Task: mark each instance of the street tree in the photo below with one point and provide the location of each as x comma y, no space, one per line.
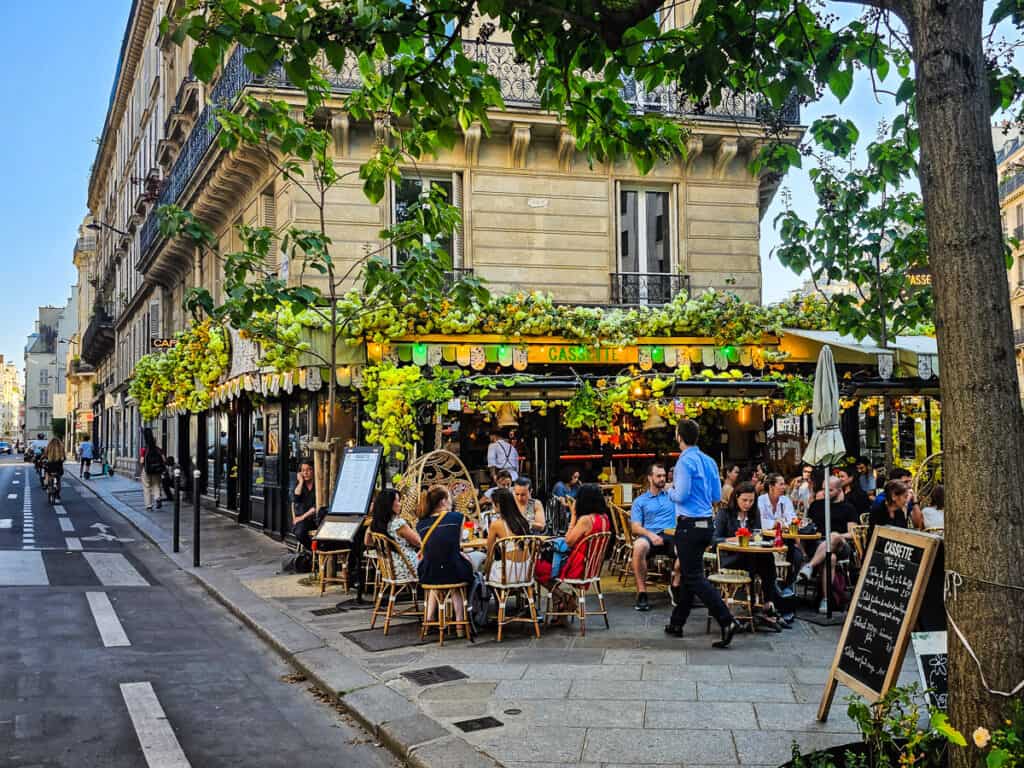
417,76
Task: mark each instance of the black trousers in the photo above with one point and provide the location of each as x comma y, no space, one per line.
693,535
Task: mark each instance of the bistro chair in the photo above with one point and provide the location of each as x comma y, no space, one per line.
444,594
622,553
388,581
328,567
860,540
518,558
596,544
731,582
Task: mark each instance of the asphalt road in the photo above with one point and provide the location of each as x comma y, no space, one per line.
111,656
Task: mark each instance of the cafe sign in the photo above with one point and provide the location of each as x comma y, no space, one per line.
582,354
164,343
919,278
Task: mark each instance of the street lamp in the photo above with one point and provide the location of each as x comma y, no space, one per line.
99,226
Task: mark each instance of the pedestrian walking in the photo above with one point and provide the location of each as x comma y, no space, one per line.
85,453
695,491
152,469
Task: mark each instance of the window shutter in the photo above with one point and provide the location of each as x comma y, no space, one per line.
154,319
457,242
269,212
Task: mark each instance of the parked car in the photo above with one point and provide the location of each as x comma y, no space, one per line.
5,447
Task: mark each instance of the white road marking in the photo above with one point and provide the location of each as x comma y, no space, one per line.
111,631
66,525
72,543
156,737
6,523
22,569
114,570
12,495
60,510
15,482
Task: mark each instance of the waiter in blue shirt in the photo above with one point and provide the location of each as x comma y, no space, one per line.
696,489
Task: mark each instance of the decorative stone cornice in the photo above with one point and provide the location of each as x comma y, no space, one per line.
727,149
473,134
566,149
694,149
519,145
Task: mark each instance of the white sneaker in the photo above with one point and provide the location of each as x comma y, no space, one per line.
823,608
805,573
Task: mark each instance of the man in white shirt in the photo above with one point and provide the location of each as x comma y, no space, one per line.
775,504
501,454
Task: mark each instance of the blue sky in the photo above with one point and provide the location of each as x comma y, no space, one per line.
61,56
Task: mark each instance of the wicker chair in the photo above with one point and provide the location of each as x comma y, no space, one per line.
860,540
595,546
731,582
388,553
515,577
444,594
622,553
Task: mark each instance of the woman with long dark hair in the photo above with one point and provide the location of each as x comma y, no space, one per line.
387,521
589,515
509,522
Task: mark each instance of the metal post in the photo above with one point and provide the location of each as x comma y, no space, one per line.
195,517
177,508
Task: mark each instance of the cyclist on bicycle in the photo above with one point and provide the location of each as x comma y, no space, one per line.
53,458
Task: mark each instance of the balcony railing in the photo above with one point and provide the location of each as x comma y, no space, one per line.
518,89
1011,184
98,339
648,288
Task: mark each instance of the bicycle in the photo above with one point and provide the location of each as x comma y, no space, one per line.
52,488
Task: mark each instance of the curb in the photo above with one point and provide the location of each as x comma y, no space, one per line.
386,714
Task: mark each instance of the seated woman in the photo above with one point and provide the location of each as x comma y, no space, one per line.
589,515
568,485
890,508
529,507
440,531
509,522
388,522
742,513
934,514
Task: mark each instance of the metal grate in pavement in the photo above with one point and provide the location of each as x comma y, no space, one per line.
434,675
327,611
478,724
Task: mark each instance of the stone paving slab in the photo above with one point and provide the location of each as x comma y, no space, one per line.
582,672
802,717
629,690
623,745
715,716
537,689
701,672
733,691
557,744
776,747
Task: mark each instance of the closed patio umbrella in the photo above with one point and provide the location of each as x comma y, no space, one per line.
826,445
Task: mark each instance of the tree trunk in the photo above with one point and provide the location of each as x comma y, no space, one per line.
983,459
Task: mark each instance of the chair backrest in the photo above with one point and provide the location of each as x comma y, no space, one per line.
865,518
622,523
519,555
596,544
860,539
387,550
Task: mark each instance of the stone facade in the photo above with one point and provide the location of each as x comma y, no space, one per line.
41,374
1010,162
10,401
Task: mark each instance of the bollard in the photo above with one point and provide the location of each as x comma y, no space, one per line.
177,508
196,474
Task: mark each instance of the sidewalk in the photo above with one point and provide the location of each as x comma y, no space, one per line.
628,695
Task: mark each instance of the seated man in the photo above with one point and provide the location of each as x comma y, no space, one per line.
652,512
843,517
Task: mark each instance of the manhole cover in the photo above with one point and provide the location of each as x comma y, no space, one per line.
434,675
478,724
327,611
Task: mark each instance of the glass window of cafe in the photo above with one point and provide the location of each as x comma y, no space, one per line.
300,434
259,452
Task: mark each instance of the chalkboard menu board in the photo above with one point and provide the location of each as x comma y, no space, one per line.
882,614
933,665
356,479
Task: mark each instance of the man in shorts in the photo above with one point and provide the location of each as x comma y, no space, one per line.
652,512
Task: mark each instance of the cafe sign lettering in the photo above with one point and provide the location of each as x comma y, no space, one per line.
164,343
581,353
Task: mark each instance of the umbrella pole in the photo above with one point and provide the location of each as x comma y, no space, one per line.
828,539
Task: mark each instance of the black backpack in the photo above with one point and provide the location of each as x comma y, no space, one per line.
153,462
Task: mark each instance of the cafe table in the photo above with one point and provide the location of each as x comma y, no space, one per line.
787,536
733,545
474,543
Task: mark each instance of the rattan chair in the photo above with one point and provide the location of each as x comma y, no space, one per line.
731,582
388,553
860,540
327,566
596,544
518,560
622,554
444,595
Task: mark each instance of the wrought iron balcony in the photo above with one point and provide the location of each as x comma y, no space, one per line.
648,288
1011,184
98,340
518,88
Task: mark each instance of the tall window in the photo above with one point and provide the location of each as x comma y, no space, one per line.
407,193
644,231
44,397
44,376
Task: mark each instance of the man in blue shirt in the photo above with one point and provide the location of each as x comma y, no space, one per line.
652,512
697,488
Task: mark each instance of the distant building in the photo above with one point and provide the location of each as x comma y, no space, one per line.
1010,169
41,374
81,376
10,401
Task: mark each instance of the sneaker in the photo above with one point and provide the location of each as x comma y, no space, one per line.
159,504
641,602
674,631
823,607
805,573
149,509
